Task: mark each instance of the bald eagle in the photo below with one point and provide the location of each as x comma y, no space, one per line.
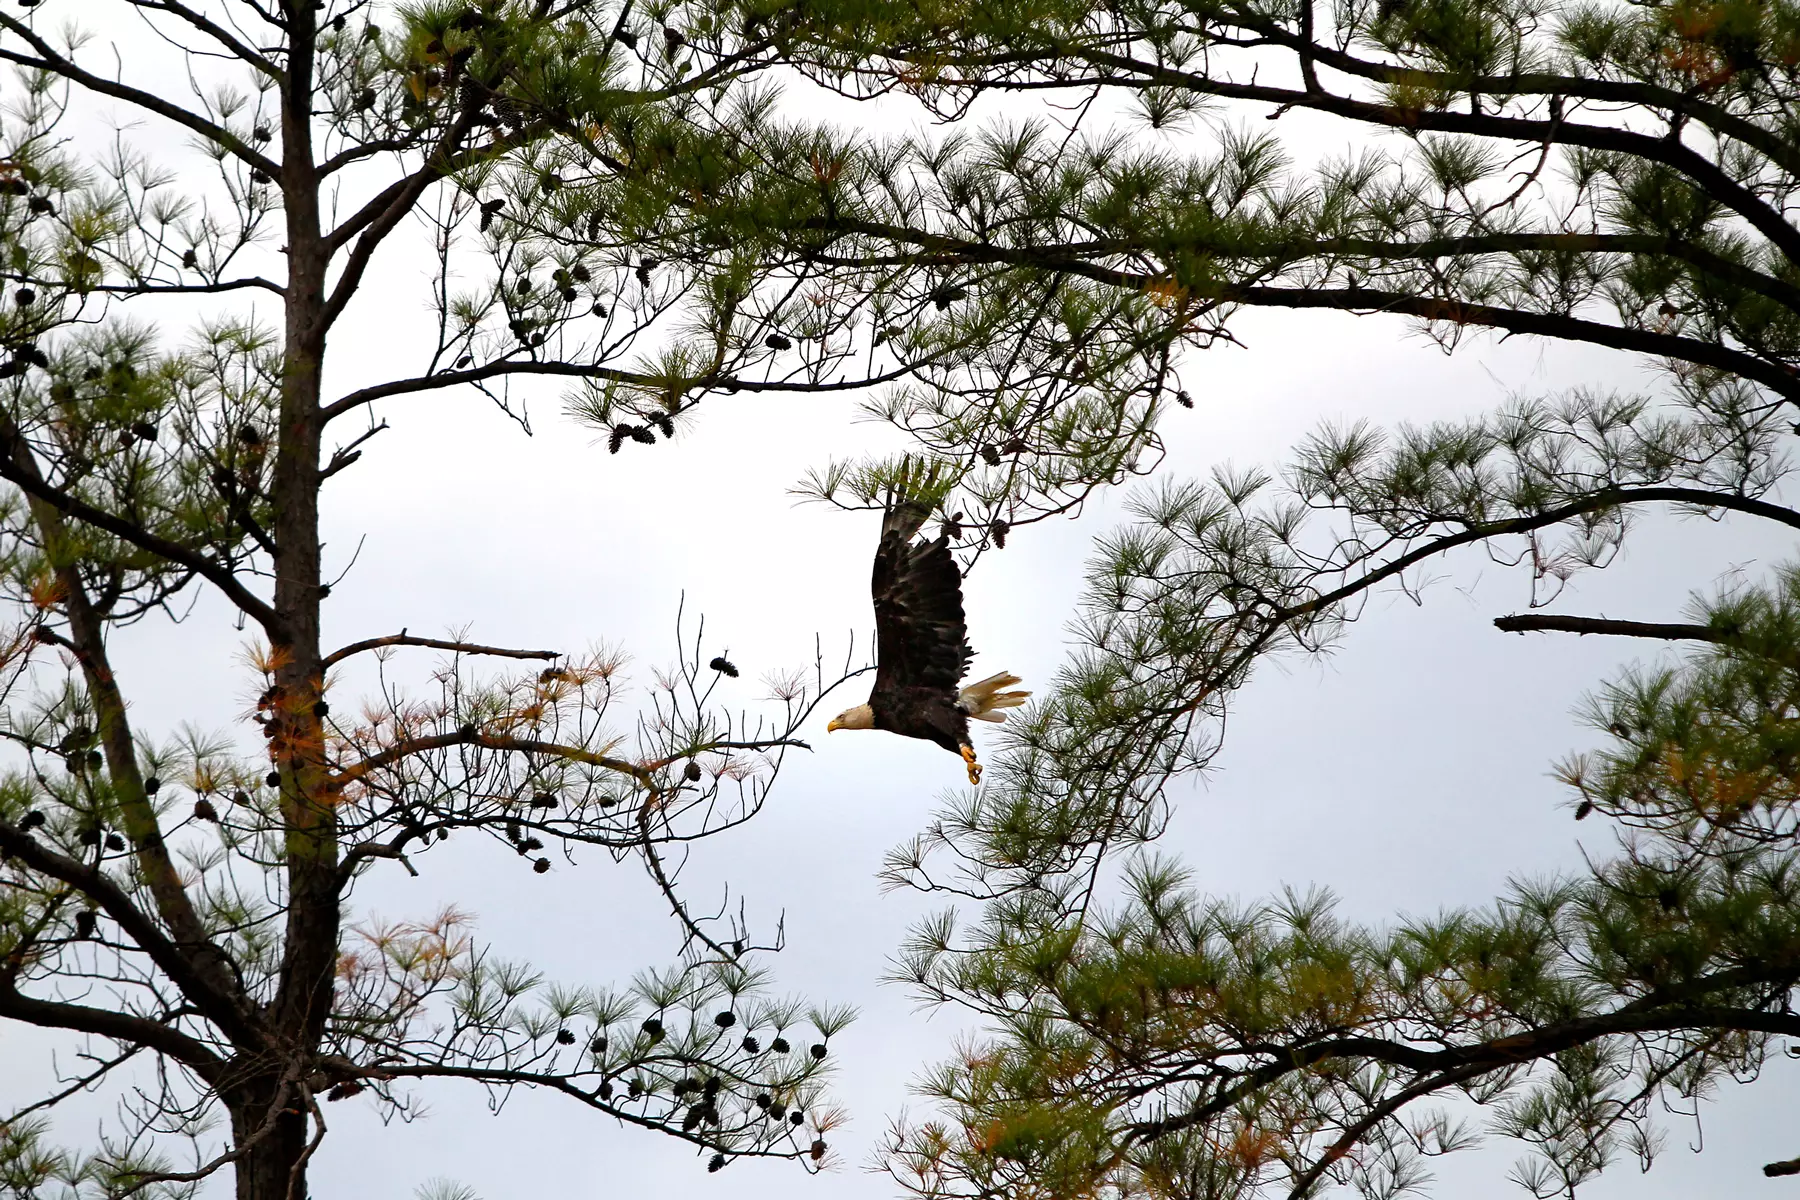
922,645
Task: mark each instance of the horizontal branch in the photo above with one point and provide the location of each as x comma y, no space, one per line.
108,1023
1635,92
1077,258
1595,502
405,639
565,1085
488,741
569,370
1548,623
152,288
1495,1054
1779,379
1706,175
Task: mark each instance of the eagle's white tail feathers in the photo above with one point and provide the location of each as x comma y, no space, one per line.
980,700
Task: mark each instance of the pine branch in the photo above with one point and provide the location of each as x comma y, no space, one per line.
171,958
15,469
1708,176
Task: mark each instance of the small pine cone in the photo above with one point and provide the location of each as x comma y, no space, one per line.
541,866
617,438
691,772
796,1118
85,921
777,342
115,843
1183,399
817,1150
716,1163
989,455
665,423
780,1045
724,666
725,1020
999,529
641,433
817,1051
204,810
752,1046
565,1037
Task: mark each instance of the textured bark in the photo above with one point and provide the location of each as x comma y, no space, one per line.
270,1130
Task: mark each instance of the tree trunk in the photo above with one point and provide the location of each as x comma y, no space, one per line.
273,1166
269,1116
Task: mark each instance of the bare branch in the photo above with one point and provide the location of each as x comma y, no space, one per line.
1548,623
405,639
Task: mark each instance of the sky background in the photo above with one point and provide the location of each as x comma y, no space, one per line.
1407,772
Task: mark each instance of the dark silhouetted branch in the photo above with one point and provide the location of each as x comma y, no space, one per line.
1546,623
404,638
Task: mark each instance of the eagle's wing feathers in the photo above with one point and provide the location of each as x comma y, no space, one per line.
921,636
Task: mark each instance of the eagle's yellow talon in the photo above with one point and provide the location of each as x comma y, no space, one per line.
968,757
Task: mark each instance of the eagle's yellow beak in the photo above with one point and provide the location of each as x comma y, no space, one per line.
833,725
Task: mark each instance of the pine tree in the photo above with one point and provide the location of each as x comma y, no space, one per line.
1619,176
182,906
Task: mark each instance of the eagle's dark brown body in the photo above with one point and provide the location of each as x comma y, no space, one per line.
921,641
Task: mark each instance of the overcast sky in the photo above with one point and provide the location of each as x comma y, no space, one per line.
1408,772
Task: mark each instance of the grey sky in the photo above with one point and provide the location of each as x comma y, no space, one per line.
1407,772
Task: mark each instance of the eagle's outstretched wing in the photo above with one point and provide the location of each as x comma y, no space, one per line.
921,638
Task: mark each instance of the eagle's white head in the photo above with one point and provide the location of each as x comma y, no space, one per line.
860,717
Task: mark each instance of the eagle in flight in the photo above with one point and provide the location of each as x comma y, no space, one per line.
922,644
